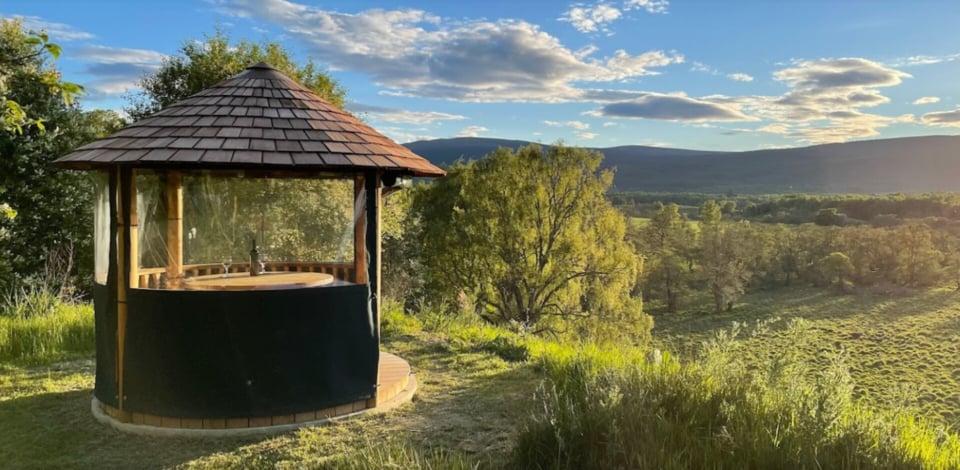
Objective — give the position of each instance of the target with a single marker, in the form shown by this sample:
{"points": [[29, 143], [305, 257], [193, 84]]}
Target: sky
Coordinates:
{"points": [[713, 75]]}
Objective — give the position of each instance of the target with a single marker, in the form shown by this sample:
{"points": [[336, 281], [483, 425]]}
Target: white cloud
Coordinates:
{"points": [[115, 70], [943, 118], [403, 136], [579, 125], [590, 19], [826, 100], [57, 31], [585, 135], [117, 55], [740, 77], [916, 60], [652, 6], [926, 100], [414, 53], [403, 116], [672, 107], [703, 68], [609, 124], [472, 131]]}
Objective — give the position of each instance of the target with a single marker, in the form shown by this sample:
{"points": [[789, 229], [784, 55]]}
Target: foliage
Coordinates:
{"points": [[837, 266], [53, 207], [724, 255], [18, 51], [719, 412], [731, 258], [669, 243], [529, 237], [203, 63], [830, 216]]}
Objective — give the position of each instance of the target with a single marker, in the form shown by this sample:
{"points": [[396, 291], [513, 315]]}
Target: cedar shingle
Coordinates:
{"points": [[236, 144], [256, 117], [247, 156], [260, 144]]}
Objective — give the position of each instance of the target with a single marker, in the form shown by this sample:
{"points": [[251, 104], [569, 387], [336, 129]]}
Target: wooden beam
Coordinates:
{"points": [[359, 231], [127, 262], [173, 190]]}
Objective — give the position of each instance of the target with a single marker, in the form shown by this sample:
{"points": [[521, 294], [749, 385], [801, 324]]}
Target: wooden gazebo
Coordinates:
{"points": [[201, 345]]}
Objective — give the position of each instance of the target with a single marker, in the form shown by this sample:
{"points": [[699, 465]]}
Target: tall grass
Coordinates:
{"points": [[598, 410], [37, 325], [401, 456]]}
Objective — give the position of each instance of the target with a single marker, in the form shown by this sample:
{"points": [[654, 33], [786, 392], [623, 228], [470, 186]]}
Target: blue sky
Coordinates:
{"points": [[719, 75]]}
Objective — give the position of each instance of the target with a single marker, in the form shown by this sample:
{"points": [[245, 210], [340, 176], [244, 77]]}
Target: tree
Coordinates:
{"points": [[53, 206], [532, 238], [837, 266], [18, 51], [830, 216], [723, 257], [201, 64], [918, 260], [668, 241]]}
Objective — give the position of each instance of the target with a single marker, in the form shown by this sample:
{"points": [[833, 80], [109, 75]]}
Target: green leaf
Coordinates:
{"points": [[53, 49]]}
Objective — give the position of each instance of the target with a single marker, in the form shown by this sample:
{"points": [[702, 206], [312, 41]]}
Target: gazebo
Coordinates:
{"points": [[237, 239]]}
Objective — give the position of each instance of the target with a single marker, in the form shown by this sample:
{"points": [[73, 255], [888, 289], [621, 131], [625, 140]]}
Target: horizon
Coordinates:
{"points": [[595, 74]]}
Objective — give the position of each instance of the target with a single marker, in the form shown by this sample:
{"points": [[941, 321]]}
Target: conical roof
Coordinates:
{"points": [[259, 118]]}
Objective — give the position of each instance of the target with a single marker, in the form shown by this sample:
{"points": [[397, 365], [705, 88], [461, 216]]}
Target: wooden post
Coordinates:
{"points": [[359, 229], [127, 264], [174, 199]]}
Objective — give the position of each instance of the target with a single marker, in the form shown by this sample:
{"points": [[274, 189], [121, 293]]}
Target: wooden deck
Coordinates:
{"points": [[394, 379]]}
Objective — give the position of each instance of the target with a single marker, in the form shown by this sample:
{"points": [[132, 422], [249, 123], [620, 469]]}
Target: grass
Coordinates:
{"points": [[469, 405], [484, 391], [901, 351], [64, 332], [720, 411]]}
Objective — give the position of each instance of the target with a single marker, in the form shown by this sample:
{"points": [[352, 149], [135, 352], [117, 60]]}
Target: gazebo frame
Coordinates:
{"points": [[202, 362]]}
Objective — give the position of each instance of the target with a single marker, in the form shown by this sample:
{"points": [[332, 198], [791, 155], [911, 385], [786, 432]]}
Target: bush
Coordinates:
{"points": [[718, 413]]}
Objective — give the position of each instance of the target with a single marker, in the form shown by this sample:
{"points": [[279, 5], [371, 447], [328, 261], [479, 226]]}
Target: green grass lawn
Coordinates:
{"points": [[900, 350], [470, 402]]}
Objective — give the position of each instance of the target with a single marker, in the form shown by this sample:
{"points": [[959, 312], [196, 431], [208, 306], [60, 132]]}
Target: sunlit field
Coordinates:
{"points": [[901, 350]]}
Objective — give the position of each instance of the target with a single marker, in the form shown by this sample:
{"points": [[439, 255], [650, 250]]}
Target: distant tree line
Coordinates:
{"points": [[726, 257], [833, 209]]}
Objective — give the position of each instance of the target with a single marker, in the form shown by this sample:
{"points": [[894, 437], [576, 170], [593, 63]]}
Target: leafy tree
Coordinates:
{"points": [[918, 260], [18, 52], [531, 237], [669, 243], [53, 206], [837, 266], [723, 257], [201, 64], [829, 216]]}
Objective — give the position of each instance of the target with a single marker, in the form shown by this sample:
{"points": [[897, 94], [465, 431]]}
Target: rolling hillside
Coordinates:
{"points": [[908, 164]]}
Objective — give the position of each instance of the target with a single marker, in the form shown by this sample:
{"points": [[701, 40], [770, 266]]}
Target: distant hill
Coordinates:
{"points": [[907, 164]]}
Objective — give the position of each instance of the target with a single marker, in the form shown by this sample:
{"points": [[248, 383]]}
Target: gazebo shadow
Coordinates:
{"points": [[33, 425]]}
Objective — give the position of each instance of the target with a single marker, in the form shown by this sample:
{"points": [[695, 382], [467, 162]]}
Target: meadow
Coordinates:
{"points": [[486, 394]]}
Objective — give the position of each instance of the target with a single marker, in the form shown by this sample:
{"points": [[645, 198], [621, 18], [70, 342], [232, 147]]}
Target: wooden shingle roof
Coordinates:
{"points": [[259, 118]]}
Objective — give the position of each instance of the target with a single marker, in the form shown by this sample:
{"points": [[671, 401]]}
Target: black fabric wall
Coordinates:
{"points": [[105, 323], [196, 354]]}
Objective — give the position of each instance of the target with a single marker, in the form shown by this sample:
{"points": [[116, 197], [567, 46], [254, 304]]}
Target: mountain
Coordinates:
{"points": [[906, 164]]}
